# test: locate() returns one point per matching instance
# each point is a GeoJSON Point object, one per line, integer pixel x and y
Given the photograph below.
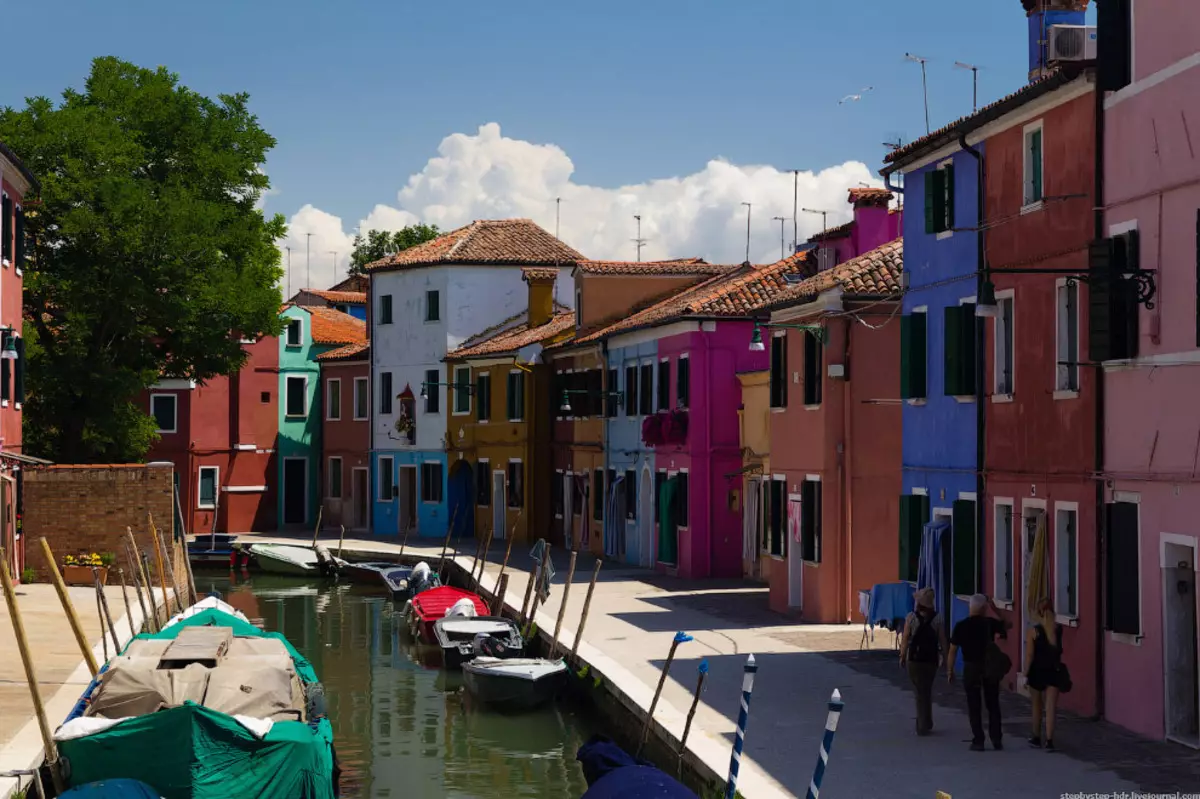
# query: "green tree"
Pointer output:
{"type": "Point", "coordinates": [148, 256]}
{"type": "Point", "coordinates": [379, 243]}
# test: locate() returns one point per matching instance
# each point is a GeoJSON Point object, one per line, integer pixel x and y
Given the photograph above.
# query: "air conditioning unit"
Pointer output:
{"type": "Point", "coordinates": [1071, 43]}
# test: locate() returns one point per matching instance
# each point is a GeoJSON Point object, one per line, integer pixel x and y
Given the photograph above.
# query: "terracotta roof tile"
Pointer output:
{"type": "Point", "coordinates": [330, 326]}
{"type": "Point", "coordinates": [486, 241]}
{"type": "Point", "coordinates": [874, 273]}
{"type": "Point", "coordinates": [531, 273]}
{"type": "Point", "coordinates": [359, 351]}
{"type": "Point", "coordinates": [352, 283]}
{"type": "Point", "coordinates": [841, 231]}
{"type": "Point", "coordinates": [514, 338]}
{"type": "Point", "coordinates": [880, 197]}
{"type": "Point", "coordinates": [676, 266]}
{"type": "Point", "coordinates": [345, 297]}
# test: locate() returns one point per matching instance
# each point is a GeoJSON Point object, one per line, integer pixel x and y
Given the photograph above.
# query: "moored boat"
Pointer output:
{"type": "Point", "coordinates": [211, 706]}
{"type": "Point", "coordinates": [430, 605]}
{"type": "Point", "coordinates": [392, 576]}
{"type": "Point", "coordinates": [514, 684]}
{"type": "Point", "coordinates": [293, 560]}
{"type": "Point", "coordinates": [212, 550]}
{"type": "Point", "coordinates": [463, 637]}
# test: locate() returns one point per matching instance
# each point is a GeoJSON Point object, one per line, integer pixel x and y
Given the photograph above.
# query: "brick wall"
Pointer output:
{"type": "Point", "coordinates": [88, 508]}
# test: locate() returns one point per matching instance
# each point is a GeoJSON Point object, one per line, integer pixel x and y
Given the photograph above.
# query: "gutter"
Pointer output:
{"type": "Point", "coordinates": [1101, 521]}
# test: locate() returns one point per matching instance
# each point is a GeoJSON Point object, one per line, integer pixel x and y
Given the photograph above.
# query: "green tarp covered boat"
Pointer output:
{"type": "Point", "coordinates": [209, 707]}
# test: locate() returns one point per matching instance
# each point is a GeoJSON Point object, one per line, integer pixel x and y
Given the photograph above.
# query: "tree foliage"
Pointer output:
{"type": "Point", "coordinates": [148, 255]}
{"type": "Point", "coordinates": [379, 243]}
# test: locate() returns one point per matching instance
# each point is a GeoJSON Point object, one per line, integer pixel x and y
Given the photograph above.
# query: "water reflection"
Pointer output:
{"type": "Point", "coordinates": [403, 727]}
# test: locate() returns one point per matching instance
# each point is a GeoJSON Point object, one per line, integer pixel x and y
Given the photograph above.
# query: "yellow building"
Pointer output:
{"type": "Point", "coordinates": [754, 428]}
{"type": "Point", "coordinates": [500, 416]}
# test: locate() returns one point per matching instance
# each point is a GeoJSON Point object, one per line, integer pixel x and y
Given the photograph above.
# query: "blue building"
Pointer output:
{"type": "Point", "coordinates": [631, 536]}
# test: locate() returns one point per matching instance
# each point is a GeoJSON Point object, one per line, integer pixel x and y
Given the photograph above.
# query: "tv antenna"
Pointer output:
{"type": "Point", "coordinates": [924, 85]}
{"type": "Point", "coordinates": [782, 248]}
{"type": "Point", "coordinates": [974, 82]}
{"type": "Point", "coordinates": [334, 254]}
{"type": "Point", "coordinates": [308, 260]}
{"type": "Point", "coordinates": [289, 271]}
{"type": "Point", "coordinates": [824, 217]}
{"type": "Point", "coordinates": [795, 207]}
{"type": "Point", "coordinates": [557, 214]}
{"type": "Point", "coordinates": [639, 242]}
{"type": "Point", "coordinates": [749, 208]}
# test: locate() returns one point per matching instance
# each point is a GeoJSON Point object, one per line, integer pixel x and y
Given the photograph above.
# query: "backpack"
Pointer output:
{"type": "Point", "coordinates": [923, 645]}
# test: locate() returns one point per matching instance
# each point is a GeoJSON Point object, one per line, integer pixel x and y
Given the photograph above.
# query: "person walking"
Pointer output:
{"type": "Point", "coordinates": [921, 645]}
{"type": "Point", "coordinates": [1046, 675]}
{"type": "Point", "coordinates": [984, 666]}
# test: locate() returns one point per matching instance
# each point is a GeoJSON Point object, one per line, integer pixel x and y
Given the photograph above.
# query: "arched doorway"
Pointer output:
{"type": "Point", "coordinates": [646, 519]}
{"type": "Point", "coordinates": [462, 498]}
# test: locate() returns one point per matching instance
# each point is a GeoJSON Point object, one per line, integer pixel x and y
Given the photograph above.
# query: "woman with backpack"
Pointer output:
{"type": "Point", "coordinates": [921, 647]}
{"type": "Point", "coordinates": [1046, 675]}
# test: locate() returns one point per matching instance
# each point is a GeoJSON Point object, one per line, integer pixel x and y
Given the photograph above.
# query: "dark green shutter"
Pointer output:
{"type": "Point", "coordinates": [1035, 162]}
{"type": "Point", "coordinates": [966, 547]}
{"type": "Point", "coordinates": [954, 351]}
{"type": "Point", "coordinates": [1113, 318]}
{"type": "Point", "coordinates": [5, 369]}
{"type": "Point", "coordinates": [1122, 588]}
{"type": "Point", "coordinates": [1114, 43]}
{"type": "Point", "coordinates": [912, 356]}
{"type": "Point", "coordinates": [510, 397]}
{"type": "Point", "coordinates": [931, 194]}
{"type": "Point", "coordinates": [480, 397]}
{"type": "Point", "coordinates": [914, 512]}
{"type": "Point", "coordinates": [20, 233]}
{"type": "Point", "coordinates": [19, 371]}
{"type": "Point", "coordinates": [947, 216]}
{"type": "Point", "coordinates": [6, 226]}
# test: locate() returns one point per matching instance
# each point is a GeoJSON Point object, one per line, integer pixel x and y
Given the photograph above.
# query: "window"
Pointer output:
{"type": "Point", "coordinates": [914, 512]}
{"type": "Point", "coordinates": [965, 552]}
{"type": "Point", "coordinates": [387, 479]}
{"type": "Point", "coordinates": [516, 484]}
{"type": "Point", "coordinates": [265, 397]}
{"type": "Point", "coordinates": [385, 309]}
{"type": "Point", "coordinates": [1066, 376]}
{"type": "Point", "coordinates": [631, 391]}
{"type": "Point", "coordinates": [1002, 552]}
{"type": "Point", "coordinates": [630, 495]}
{"type": "Point", "coordinates": [19, 235]}
{"type": "Point", "coordinates": [334, 490]}
{"type": "Point", "coordinates": [431, 481]}
{"type": "Point", "coordinates": [912, 355]}
{"type": "Point", "coordinates": [1033, 163]}
{"type": "Point", "coordinates": [557, 495]}
{"type": "Point", "coordinates": [1113, 315]}
{"type": "Point", "coordinates": [19, 373]}
{"type": "Point", "coordinates": [777, 517]}
{"type": "Point", "coordinates": [209, 480]}
{"type": "Point", "coordinates": [6, 210]}
{"type": "Point", "coordinates": [810, 521]}
{"type": "Point", "coordinates": [295, 332]}
{"type": "Point", "coordinates": [646, 390]}
{"type": "Point", "coordinates": [683, 382]}
{"type": "Point", "coordinates": [333, 399]}
{"type": "Point", "coordinates": [664, 385]}
{"type": "Point", "coordinates": [515, 396]}
{"type": "Point", "coordinates": [1114, 45]}
{"type": "Point", "coordinates": [483, 483]}
{"type": "Point", "coordinates": [813, 368]}
{"type": "Point", "coordinates": [1123, 586]}
{"type": "Point", "coordinates": [598, 495]}
{"type": "Point", "coordinates": [959, 354]}
{"type": "Point", "coordinates": [361, 398]}
{"type": "Point", "coordinates": [578, 308]}
{"type": "Point", "coordinates": [1066, 559]}
{"type": "Point", "coordinates": [462, 389]}
{"type": "Point", "coordinates": [779, 378]}
{"type": "Point", "coordinates": [939, 199]}
{"type": "Point", "coordinates": [611, 395]}
{"type": "Point", "coordinates": [483, 397]}
{"type": "Point", "coordinates": [385, 393]}
{"type": "Point", "coordinates": [163, 407]}
{"type": "Point", "coordinates": [681, 499]}
{"type": "Point", "coordinates": [297, 395]}
{"type": "Point", "coordinates": [577, 493]}
{"type": "Point", "coordinates": [433, 391]}
{"type": "Point", "coordinates": [433, 306]}
{"type": "Point", "coordinates": [660, 479]}
{"type": "Point", "coordinates": [1004, 346]}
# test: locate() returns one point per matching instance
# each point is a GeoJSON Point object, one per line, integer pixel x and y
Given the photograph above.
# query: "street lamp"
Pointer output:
{"type": "Point", "coordinates": [756, 341]}
{"type": "Point", "coordinates": [565, 406]}
{"type": "Point", "coordinates": [987, 307]}
{"type": "Point", "coordinates": [756, 337]}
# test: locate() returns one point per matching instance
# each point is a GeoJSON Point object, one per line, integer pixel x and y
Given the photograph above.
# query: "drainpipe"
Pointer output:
{"type": "Point", "coordinates": [847, 471]}
{"type": "Point", "coordinates": [705, 463]}
{"type": "Point", "coordinates": [604, 403]}
{"type": "Point", "coordinates": [980, 359]}
{"type": "Point", "coordinates": [887, 182]}
{"type": "Point", "coordinates": [1101, 521]}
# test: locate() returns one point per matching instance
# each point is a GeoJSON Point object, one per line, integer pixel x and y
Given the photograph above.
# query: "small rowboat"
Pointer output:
{"type": "Point", "coordinates": [212, 550]}
{"type": "Point", "coordinates": [456, 635]}
{"type": "Point", "coordinates": [392, 576]}
{"type": "Point", "coordinates": [295, 561]}
{"type": "Point", "coordinates": [428, 606]}
{"type": "Point", "coordinates": [514, 684]}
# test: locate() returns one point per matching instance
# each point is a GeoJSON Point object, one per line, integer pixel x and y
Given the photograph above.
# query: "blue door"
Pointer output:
{"type": "Point", "coordinates": [462, 498]}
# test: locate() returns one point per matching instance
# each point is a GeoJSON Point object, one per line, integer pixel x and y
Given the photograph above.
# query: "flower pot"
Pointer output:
{"type": "Point", "coordinates": [82, 575]}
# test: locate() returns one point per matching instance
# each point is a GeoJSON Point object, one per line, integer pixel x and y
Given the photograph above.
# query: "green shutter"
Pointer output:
{"type": "Point", "coordinates": [1035, 159]}
{"type": "Point", "coordinates": [912, 356]}
{"type": "Point", "coordinates": [931, 201]}
{"type": "Point", "coordinates": [19, 372]}
{"type": "Point", "coordinates": [510, 397]}
{"type": "Point", "coordinates": [20, 239]}
{"type": "Point", "coordinates": [954, 351]}
{"type": "Point", "coordinates": [966, 547]}
{"type": "Point", "coordinates": [5, 392]}
{"type": "Point", "coordinates": [948, 197]}
{"type": "Point", "coordinates": [914, 511]}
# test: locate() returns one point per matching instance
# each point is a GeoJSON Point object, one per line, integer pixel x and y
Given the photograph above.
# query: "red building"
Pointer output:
{"type": "Point", "coordinates": [346, 436]}
{"type": "Point", "coordinates": [16, 183]}
{"type": "Point", "coordinates": [1040, 414]}
{"type": "Point", "coordinates": [221, 437]}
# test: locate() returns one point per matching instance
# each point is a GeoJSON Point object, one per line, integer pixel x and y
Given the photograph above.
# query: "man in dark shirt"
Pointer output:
{"type": "Point", "coordinates": [974, 635]}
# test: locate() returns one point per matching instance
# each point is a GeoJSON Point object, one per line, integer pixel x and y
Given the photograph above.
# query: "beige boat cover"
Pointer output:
{"type": "Point", "coordinates": [199, 644]}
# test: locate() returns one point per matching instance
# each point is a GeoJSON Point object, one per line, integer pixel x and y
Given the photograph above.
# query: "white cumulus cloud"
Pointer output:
{"type": "Point", "coordinates": [486, 175]}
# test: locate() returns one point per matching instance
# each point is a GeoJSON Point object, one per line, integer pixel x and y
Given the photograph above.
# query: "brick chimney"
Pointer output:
{"type": "Point", "coordinates": [541, 293]}
{"type": "Point", "coordinates": [1042, 14]}
{"type": "Point", "coordinates": [874, 223]}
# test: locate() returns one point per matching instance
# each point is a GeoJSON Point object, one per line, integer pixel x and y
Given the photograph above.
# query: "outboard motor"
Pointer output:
{"type": "Point", "coordinates": [489, 646]}
{"type": "Point", "coordinates": [422, 578]}
{"type": "Point", "coordinates": [463, 607]}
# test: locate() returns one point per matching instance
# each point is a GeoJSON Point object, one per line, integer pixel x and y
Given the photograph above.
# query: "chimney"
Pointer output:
{"type": "Point", "coordinates": [873, 223]}
{"type": "Point", "coordinates": [1042, 14]}
{"type": "Point", "coordinates": [541, 293]}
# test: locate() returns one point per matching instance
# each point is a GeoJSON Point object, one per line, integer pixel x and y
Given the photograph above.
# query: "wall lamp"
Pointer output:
{"type": "Point", "coordinates": [756, 337]}
{"type": "Point", "coordinates": [1142, 281]}
{"type": "Point", "coordinates": [467, 387]}
{"type": "Point", "coordinates": [565, 407]}
{"type": "Point", "coordinates": [9, 352]}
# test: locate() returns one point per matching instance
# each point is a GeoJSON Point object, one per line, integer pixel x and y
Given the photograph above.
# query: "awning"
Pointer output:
{"type": "Point", "coordinates": [750, 468]}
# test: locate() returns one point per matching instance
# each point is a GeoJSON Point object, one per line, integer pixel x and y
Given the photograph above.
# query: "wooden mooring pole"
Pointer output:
{"type": "Point", "coordinates": [537, 573]}
{"type": "Point", "coordinates": [487, 545]}
{"type": "Point", "coordinates": [162, 574]}
{"type": "Point", "coordinates": [587, 604]}
{"type": "Point", "coordinates": [446, 543]}
{"type": "Point", "coordinates": [103, 599]}
{"type": "Point", "coordinates": [680, 638]}
{"type": "Point", "coordinates": [125, 596]}
{"type": "Point", "coordinates": [562, 607]}
{"type": "Point", "coordinates": [69, 609]}
{"type": "Point", "coordinates": [317, 529]}
{"type": "Point", "coordinates": [137, 584]}
{"type": "Point", "coordinates": [341, 538]}
{"type": "Point", "coordinates": [168, 553]}
{"type": "Point", "coordinates": [501, 590]}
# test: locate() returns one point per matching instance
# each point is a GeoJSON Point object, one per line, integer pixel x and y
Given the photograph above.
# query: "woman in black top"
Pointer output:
{"type": "Point", "coordinates": [1043, 656]}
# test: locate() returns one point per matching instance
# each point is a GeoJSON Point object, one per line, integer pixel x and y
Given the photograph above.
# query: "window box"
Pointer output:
{"type": "Point", "coordinates": [652, 430]}
{"type": "Point", "coordinates": [675, 426]}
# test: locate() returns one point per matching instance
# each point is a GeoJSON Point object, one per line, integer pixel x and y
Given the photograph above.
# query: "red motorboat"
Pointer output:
{"type": "Point", "coordinates": [429, 606]}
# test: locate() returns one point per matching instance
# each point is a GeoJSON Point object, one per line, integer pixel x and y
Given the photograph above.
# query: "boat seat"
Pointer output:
{"type": "Point", "coordinates": [207, 645]}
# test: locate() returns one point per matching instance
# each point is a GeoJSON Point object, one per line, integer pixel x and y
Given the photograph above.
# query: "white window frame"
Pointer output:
{"type": "Point", "coordinates": [524, 389]}
{"type": "Point", "coordinates": [330, 392]}
{"type": "Point", "coordinates": [392, 303]}
{"type": "Point", "coordinates": [454, 411]}
{"type": "Point", "coordinates": [1003, 507]}
{"type": "Point", "coordinates": [421, 479]}
{"type": "Point", "coordinates": [294, 320]}
{"type": "Point", "coordinates": [683, 357]}
{"type": "Point", "coordinates": [438, 292]}
{"type": "Point", "coordinates": [175, 414]}
{"type": "Point", "coordinates": [1028, 204]}
{"type": "Point", "coordinates": [200, 503]}
{"type": "Point", "coordinates": [1008, 295]}
{"type": "Point", "coordinates": [329, 478]}
{"type": "Point", "coordinates": [286, 380]}
{"type": "Point", "coordinates": [361, 389]}
{"type": "Point", "coordinates": [1060, 609]}
{"type": "Point", "coordinates": [1062, 389]}
{"type": "Point", "coordinates": [942, 235]}
{"type": "Point", "coordinates": [379, 484]}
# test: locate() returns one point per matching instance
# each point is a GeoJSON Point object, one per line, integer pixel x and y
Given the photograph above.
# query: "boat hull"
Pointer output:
{"type": "Point", "coordinates": [458, 645]}
{"type": "Point", "coordinates": [510, 694]}
{"type": "Point", "coordinates": [429, 606]}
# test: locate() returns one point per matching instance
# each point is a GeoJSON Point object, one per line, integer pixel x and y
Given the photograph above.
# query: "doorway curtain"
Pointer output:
{"type": "Point", "coordinates": [668, 520]}
{"type": "Point", "coordinates": [614, 525]}
{"type": "Point", "coordinates": [751, 513]}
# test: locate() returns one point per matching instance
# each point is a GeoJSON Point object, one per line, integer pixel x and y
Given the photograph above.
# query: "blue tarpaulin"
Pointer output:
{"type": "Point", "coordinates": [612, 773]}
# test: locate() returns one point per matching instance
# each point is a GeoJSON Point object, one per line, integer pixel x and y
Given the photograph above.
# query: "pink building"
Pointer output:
{"type": "Point", "coordinates": [1149, 66]}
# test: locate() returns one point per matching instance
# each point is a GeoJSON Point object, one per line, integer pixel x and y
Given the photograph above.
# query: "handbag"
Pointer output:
{"type": "Point", "coordinates": [1062, 679]}
{"type": "Point", "coordinates": [996, 662]}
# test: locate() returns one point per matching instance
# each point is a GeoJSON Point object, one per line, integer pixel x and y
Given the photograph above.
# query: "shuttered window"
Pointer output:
{"type": "Point", "coordinates": [939, 199]}
{"type": "Point", "coordinates": [483, 397]}
{"type": "Point", "coordinates": [683, 373]}
{"type": "Point", "coordinates": [611, 397]}
{"type": "Point", "coordinates": [1114, 44]}
{"type": "Point", "coordinates": [630, 495]}
{"type": "Point", "coordinates": [1123, 588]}
{"type": "Point", "coordinates": [912, 355]}
{"type": "Point", "coordinates": [664, 385]}
{"type": "Point", "coordinates": [914, 512]}
{"type": "Point", "coordinates": [483, 483]}
{"type": "Point", "coordinates": [1033, 166]}
{"type": "Point", "coordinates": [20, 238]}
{"type": "Point", "coordinates": [385, 393]}
{"type": "Point", "coordinates": [810, 520]}
{"type": "Point", "coordinates": [631, 391]}
{"type": "Point", "coordinates": [777, 517]}
{"type": "Point", "coordinates": [1113, 318]}
{"type": "Point", "coordinates": [515, 396]}
{"type": "Point", "coordinates": [779, 384]}
{"type": "Point", "coordinates": [966, 550]}
{"type": "Point", "coordinates": [6, 228]}
{"type": "Point", "coordinates": [681, 499]}
{"type": "Point", "coordinates": [814, 352]}
{"type": "Point", "coordinates": [646, 390]}
{"type": "Point", "coordinates": [961, 329]}
{"type": "Point", "coordinates": [5, 391]}
{"type": "Point", "coordinates": [433, 392]}
{"type": "Point", "coordinates": [516, 484]}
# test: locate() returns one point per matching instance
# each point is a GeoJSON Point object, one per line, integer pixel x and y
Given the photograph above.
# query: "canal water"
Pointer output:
{"type": "Point", "coordinates": [402, 726]}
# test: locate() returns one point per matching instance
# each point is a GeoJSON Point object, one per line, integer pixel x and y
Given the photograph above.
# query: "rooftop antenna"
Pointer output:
{"type": "Point", "coordinates": [782, 248]}
{"type": "Point", "coordinates": [974, 83]}
{"type": "Point", "coordinates": [795, 208]}
{"type": "Point", "coordinates": [749, 208]}
{"type": "Point", "coordinates": [557, 214]}
{"type": "Point", "coordinates": [289, 271]}
{"type": "Point", "coordinates": [824, 217]}
{"type": "Point", "coordinates": [307, 260]}
{"type": "Point", "coordinates": [924, 85]}
{"type": "Point", "coordinates": [334, 254]}
{"type": "Point", "coordinates": [639, 241]}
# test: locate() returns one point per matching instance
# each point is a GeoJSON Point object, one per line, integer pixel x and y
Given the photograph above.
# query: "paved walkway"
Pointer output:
{"type": "Point", "coordinates": [635, 614]}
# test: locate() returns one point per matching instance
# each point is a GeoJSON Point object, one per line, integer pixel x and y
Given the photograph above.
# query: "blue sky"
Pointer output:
{"type": "Point", "coordinates": [360, 94]}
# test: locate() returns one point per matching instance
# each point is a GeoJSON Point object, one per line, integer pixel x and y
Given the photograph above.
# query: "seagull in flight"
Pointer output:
{"type": "Point", "coordinates": [855, 97]}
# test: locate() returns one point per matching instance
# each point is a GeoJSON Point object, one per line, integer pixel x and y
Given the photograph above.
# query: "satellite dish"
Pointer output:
{"type": "Point", "coordinates": [530, 354]}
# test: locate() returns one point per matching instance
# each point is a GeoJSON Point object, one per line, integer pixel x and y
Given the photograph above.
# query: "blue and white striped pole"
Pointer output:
{"type": "Point", "coordinates": [740, 738]}
{"type": "Point", "coordinates": [831, 722]}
